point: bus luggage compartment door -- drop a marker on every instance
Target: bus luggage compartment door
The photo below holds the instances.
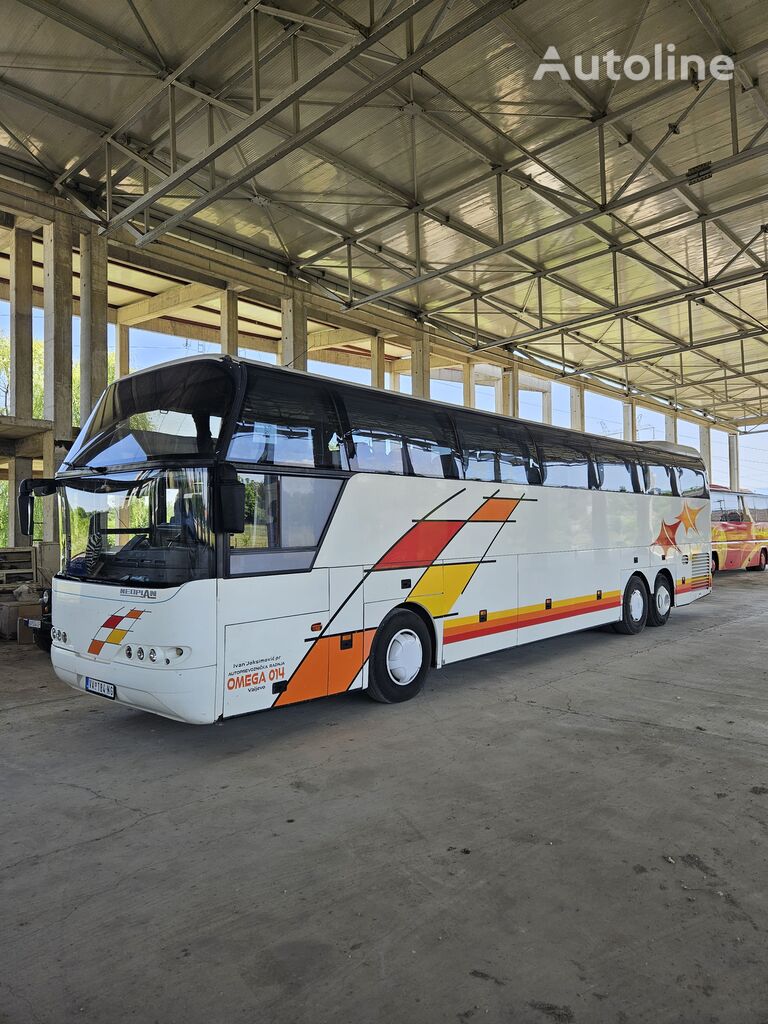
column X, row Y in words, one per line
column 274, row 658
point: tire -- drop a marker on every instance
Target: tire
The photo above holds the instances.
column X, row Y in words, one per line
column 634, row 608
column 400, row 658
column 715, row 566
column 661, row 602
column 760, row 567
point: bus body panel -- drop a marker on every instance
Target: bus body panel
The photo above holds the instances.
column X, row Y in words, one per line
column 102, row 623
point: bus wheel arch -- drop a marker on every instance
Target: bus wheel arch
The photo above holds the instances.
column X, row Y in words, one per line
column 426, row 618
column 401, row 655
column 662, row 599
column 762, row 561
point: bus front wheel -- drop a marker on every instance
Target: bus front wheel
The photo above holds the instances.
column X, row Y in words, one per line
column 634, row 608
column 400, row 658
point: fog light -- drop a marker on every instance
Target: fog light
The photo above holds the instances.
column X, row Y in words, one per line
column 64, row 637
column 152, row 654
column 129, row 652
column 140, row 653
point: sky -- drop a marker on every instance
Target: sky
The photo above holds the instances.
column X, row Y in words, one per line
column 603, row 415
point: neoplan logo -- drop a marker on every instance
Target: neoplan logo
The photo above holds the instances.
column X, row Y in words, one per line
column 665, row 65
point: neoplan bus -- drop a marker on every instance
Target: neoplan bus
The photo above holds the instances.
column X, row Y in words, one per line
column 739, row 530
column 237, row 537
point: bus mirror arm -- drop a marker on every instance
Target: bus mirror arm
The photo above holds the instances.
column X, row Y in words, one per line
column 28, row 488
column 231, row 501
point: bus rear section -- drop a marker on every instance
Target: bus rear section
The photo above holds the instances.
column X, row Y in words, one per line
column 739, row 530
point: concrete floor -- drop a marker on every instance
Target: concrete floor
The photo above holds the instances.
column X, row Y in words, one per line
column 573, row 832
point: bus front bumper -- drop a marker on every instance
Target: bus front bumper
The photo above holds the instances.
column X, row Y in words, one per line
column 187, row 695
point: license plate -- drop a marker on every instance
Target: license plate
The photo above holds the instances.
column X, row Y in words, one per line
column 34, row 623
column 103, row 689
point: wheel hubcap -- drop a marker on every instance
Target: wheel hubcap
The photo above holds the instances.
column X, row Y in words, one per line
column 663, row 601
column 404, row 657
column 636, row 605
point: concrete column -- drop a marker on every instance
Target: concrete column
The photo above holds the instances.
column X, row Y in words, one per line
column 705, row 447
column 229, row 336
column 503, row 391
column 293, row 350
column 93, row 319
column 468, row 378
column 420, row 365
column 20, row 398
column 546, row 402
column 378, row 364
column 630, row 421
column 52, row 457
column 577, row 406
column 18, row 469
column 122, row 352
column 57, row 387
column 733, row 461
column 670, row 428
column 396, row 380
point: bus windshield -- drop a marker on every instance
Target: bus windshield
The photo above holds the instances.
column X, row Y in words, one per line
column 164, row 412
column 150, row 528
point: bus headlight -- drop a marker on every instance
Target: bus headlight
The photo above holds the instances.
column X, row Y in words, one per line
column 152, row 655
column 129, row 652
column 140, row 653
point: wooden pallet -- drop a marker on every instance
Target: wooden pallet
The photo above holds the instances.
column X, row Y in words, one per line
column 17, row 566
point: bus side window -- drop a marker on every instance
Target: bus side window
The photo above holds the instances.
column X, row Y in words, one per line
column 289, row 422
column 616, row 475
column 492, row 452
column 411, row 439
column 564, row 466
column 691, row 483
column 658, row 480
column 285, row 517
column 758, row 508
column 726, row 507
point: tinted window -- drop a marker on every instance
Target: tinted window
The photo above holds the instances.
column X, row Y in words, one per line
column 284, row 520
column 564, row 465
column 495, row 452
column 691, row 483
column 173, row 411
column 657, row 480
column 758, row 507
column 287, row 421
column 726, row 507
column 615, row 474
column 391, row 436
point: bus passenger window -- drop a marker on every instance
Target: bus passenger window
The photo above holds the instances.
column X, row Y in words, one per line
column 657, row 480
column 492, row 451
column 615, row 475
column 565, row 467
column 287, row 422
column 726, row 507
column 377, row 453
column 285, row 517
column 758, row 508
column 690, row 483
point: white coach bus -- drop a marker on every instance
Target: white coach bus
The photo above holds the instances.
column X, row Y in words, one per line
column 237, row 537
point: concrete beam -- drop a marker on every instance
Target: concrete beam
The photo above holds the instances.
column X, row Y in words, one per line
column 337, row 336
column 229, row 335
column 20, row 398
column 468, row 381
column 378, row 363
column 93, row 319
column 122, row 352
column 733, row 461
column 172, row 300
column 294, row 341
column 420, row 365
column 57, row 301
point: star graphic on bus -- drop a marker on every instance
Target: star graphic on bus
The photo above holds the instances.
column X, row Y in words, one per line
column 688, row 516
column 667, row 538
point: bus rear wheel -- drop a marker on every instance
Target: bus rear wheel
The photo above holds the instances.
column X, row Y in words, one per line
column 400, row 658
column 634, row 608
column 763, row 561
column 661, row 603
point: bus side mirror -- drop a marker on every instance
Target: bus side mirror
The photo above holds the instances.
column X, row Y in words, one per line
column 231, row 502
column 28, row 488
